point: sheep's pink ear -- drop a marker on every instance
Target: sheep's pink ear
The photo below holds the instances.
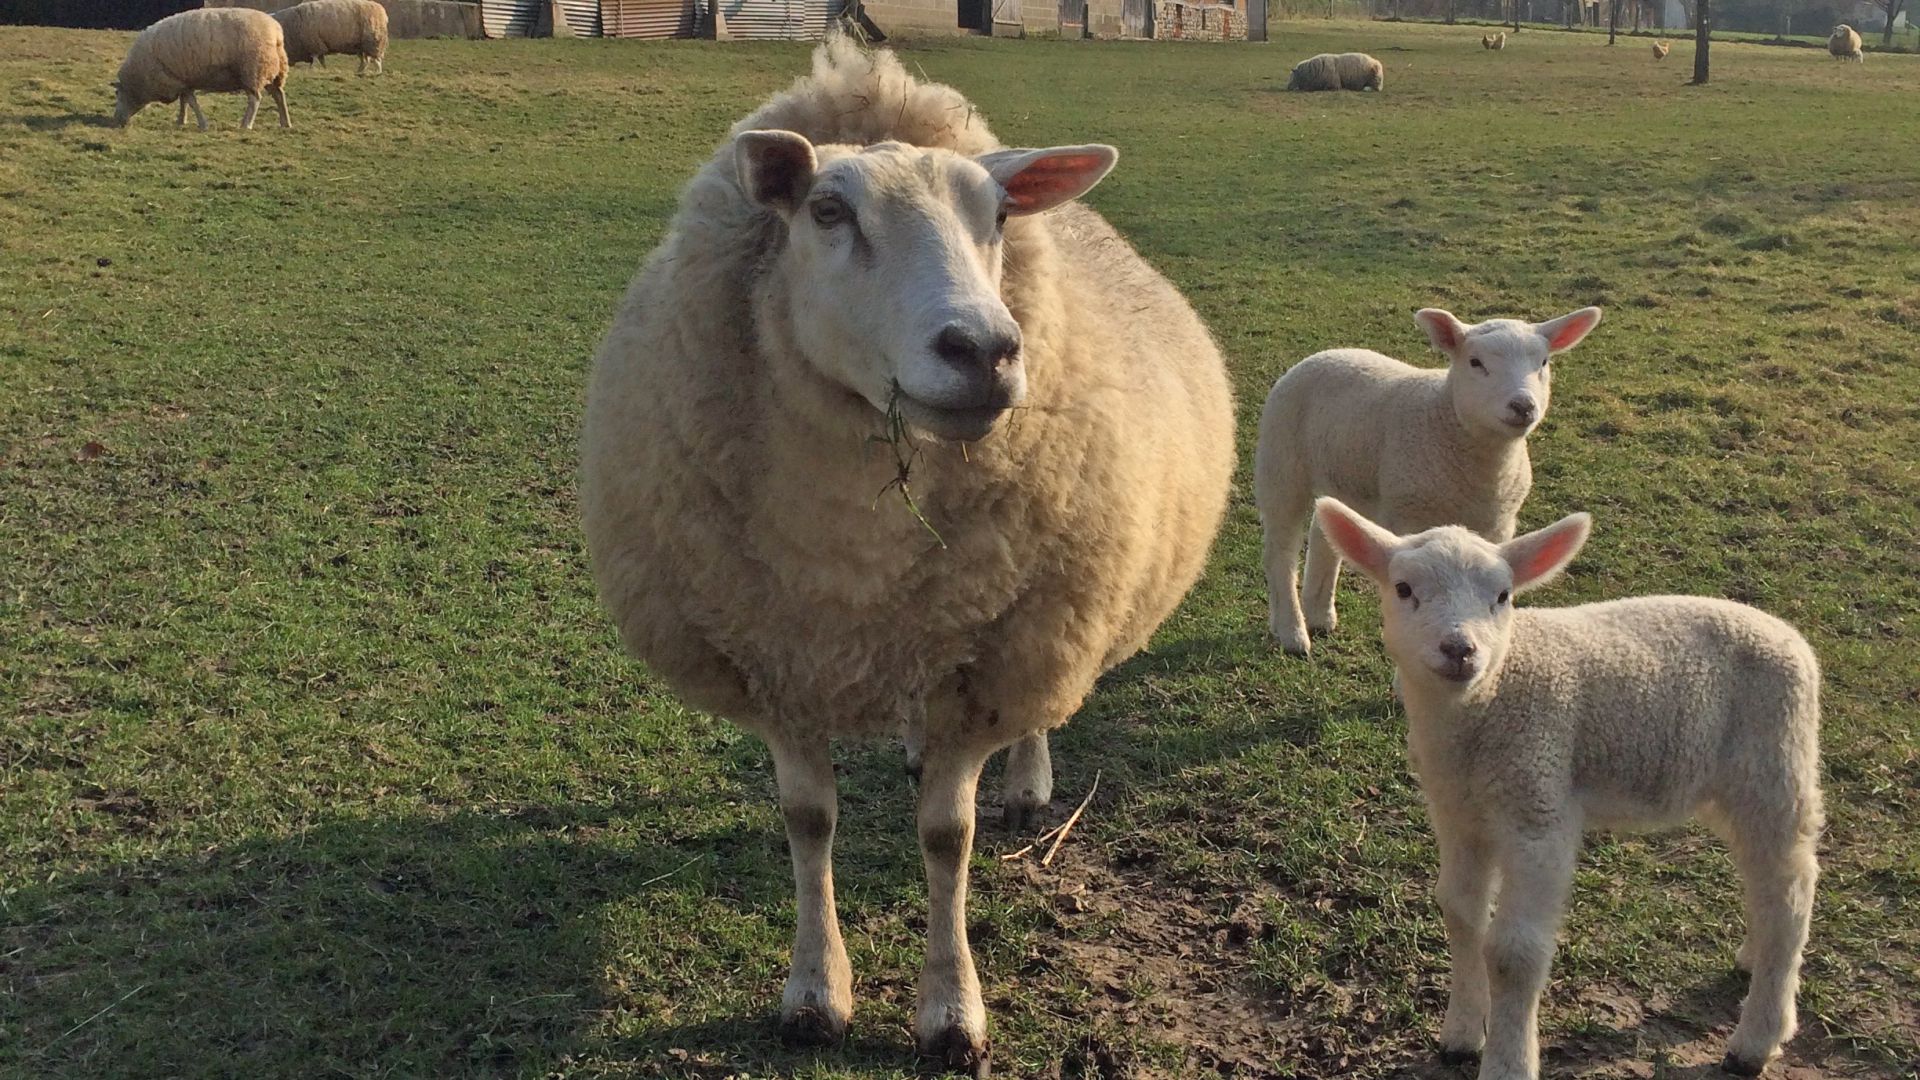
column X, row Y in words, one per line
column 1359, row 541
column 1445, row 332
column 1037, row 180
column 775, row 167
column 1568, row 330
column 1539, row 556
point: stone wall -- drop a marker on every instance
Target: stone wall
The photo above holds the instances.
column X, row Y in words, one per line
column 1205, row 20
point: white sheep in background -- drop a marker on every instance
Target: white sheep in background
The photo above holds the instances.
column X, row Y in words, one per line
column 220, row 50
column 1497, row 41
column 1528, row 727
column 1844, row 44
column 316, row 28
column 1661, row 48
column 860, row 302
column 1338, row 71
column 1411, row 447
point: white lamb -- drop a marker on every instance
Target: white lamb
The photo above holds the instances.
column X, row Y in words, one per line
column 1528, row 727
column 890, row 429
column 221, row 50
column 1412, row 447
column 1338, row 71
column 316, row 28
column 1844, row 44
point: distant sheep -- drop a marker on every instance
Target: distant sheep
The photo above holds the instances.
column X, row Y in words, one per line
column 1844, row 44
column 1660, row 49
column 1495, row 41
column 219, row 50
column 316, row 28
column 1338, row 71
column 1527, row 727
column 1413, row 447
column 890, row 430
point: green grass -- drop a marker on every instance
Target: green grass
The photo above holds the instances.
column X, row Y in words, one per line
column 317, row 757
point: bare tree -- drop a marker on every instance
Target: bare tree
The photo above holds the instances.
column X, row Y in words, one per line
column 1892, row 8
column 1703, row 17
column 1613, row 19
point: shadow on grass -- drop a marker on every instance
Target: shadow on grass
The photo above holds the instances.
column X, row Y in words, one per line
column 43, row 122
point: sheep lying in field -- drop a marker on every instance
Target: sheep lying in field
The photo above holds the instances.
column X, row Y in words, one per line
column 220, row 50
column 1660, row 49
column 1413, row 447
column 888, row 429
column 1496, row 41
column 1337, row 71
column 1527, row 727
column 316, row 28
column 1844, row 44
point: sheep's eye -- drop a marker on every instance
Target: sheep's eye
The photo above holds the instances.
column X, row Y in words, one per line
column 1474, row 362
column 1403, row 590
column 1000, row 219
column 1505, row 595
column 831, row 211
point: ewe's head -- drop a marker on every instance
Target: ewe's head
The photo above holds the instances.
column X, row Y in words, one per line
column 1499, row 369
column 1446, row 595
column 123, row 105
column 892, row 264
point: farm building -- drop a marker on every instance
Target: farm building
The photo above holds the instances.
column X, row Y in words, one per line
column 1215, row 20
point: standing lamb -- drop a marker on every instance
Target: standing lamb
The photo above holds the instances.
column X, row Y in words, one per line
column 876, row 438
column 1661, row 48
column 1338, row 71
column 1413, row 447
column 1497, row 41
column 316, row 28
column 1528, row 727
column 220, row 50
column 1844, row 44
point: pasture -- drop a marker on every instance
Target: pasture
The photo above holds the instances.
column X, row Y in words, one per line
column 317, row 756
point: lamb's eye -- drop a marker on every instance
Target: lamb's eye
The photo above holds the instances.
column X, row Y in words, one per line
column 831, row 211
column 1403, row 590
column 1000, row 219
column 1505, row 595
column 1474, row 362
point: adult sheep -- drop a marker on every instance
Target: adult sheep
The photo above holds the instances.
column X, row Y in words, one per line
column 873, row 440
column 1337, row 71
column 316, row 28
column 1844, row 44
column 221, row 50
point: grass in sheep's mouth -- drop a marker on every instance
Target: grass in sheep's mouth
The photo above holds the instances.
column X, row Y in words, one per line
column 319, row 756
column 899, row 440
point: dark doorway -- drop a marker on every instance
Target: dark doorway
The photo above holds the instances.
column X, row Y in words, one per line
column 974, row 14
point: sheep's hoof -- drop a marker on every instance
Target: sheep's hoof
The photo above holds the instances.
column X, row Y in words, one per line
column 1458, row 1059
column 954, row 1051
column 1740, row 1066
column 1020, row 814
column 913, row 769
column 808, row 1026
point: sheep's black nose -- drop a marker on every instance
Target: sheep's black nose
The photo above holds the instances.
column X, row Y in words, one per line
column 1522, row 409
column 968, row 351
column 1456, row 648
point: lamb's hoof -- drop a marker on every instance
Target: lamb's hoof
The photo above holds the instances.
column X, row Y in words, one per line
column 953, row 1051
column 1458, row 1059
column 1740, row 1066
column 808, row 1026
column 1293, row 644
column 1021, row 814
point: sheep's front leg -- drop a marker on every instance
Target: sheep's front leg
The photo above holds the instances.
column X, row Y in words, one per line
column 191, row 100
column 818, row 1001
column 253, row 106
column 951, row 1025
column 1029, row 781
column 181, row 120
column 279, row 92
column 1536, row 873
column 1466, row 897
column 1323, row 575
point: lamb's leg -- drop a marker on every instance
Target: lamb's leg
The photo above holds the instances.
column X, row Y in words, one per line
column 1029, row 781
column 1778, row 873
column 951, row 1024
column 363, row 65
column 1283, row 520
column 1323, row 574
column 1536, row 873
column 818, row 1000
column 199, row 117
column 253, row 106
column 1466, row 897
column 278, row 89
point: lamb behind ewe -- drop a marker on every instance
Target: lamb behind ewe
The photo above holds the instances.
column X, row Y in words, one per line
column 1528, row 727
column 316, row 28
column 1413, row 447
column 221, row 50
column 1660, row 49
column 1337, row 71
column 888, row 429
column 1844, row 44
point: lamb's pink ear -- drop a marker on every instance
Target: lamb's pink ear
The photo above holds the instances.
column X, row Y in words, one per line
column 775, row 167
column 1568, row 330
column 1539, row 556
column 1039, row 180
column 1359, row 541
column 1443, row 330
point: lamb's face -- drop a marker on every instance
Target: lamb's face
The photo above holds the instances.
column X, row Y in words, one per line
column 893, row 263
column 1499, row 371
column 1447, row 606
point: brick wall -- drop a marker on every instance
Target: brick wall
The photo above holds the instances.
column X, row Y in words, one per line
column 1184, row 20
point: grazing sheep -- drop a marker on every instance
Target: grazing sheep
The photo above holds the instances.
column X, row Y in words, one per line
column 873, row 440
column 1413, row 447
column 220, row 50
column 1844, row 44
column 1528, row 727
column 1338, row 71
column 316, row 28
column 1497, row 41
column 1660, row 49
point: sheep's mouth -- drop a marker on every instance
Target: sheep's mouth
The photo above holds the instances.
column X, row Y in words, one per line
column 1457, row 671
column 964, row 424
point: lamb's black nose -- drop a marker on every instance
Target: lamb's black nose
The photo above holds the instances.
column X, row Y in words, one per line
column 975, row 352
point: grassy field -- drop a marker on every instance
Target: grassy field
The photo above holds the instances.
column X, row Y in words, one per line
column 317, row 758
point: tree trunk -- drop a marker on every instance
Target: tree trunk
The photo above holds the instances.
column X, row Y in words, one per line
column 1450, row 6
column 1613, row 20
column 1702, row 31
column 1886, row 32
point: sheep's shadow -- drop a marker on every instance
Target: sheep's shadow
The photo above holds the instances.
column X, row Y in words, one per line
column 45, row 122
